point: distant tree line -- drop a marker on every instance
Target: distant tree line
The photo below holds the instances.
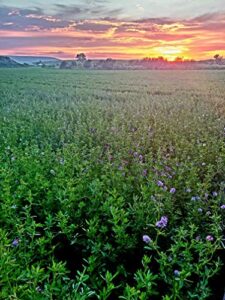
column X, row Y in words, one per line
column 81, row 62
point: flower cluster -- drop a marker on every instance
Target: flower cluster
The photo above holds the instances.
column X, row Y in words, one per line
column 172, row 190
column 15, row 242
column 209, row 238
column 162, row 223
column 146, row 239
column 160, row 183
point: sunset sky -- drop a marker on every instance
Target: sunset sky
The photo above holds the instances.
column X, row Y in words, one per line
column 113, row 28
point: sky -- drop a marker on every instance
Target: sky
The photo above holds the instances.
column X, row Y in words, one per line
column 130, row 29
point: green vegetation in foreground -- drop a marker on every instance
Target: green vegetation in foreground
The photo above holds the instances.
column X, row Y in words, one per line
column 111, row 184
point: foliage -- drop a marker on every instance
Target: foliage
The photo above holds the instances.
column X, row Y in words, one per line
column 111, row 184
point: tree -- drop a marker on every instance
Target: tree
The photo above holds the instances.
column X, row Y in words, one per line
column 178, row 59
column 109, row 63
column 81, row 57
column 218, row 59
column 161, row 58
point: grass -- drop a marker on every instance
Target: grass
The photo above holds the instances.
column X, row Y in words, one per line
column 89, row 164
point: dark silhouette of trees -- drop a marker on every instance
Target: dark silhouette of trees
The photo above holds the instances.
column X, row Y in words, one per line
column 178, row 59
column 81, row 57
column 67, row 64
column 109, row 63
column 218, row 58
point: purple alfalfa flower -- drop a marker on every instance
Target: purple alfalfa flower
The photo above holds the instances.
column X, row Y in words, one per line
column 160, row 183
column 200, row 210
column 135, row 154
column 209, row 238
column 165, row 188
column 195, row 198
column 172, row 190
column 206, row 195
column 215, row 194
column 222, row 206
column 15, row 242
column 176, row 273
column 141, row 158
column 145, row 172
column 146, row 239
column 188, row 190
column 162, row 223
column 168, row 169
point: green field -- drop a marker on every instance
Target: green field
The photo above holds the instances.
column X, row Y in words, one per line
column 112, row 184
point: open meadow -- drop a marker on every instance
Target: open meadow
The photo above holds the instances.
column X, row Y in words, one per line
column 112, row 184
